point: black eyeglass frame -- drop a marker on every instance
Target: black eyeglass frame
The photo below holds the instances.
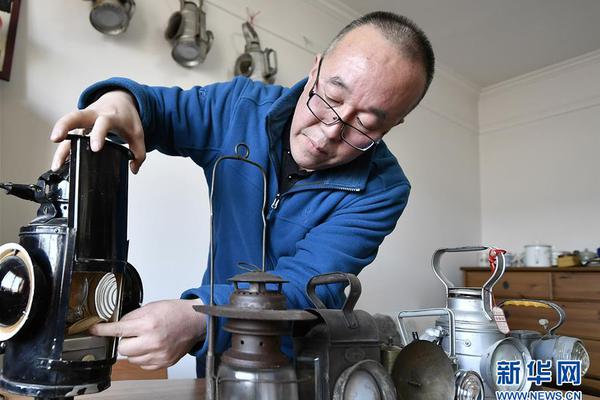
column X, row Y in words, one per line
column 339, row 119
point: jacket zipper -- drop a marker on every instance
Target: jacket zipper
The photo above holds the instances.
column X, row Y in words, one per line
column 278, row 196
column 275, row 203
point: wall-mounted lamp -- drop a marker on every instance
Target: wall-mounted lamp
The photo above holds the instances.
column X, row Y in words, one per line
column 111, row 17
column 255, row 63
column 187, row 33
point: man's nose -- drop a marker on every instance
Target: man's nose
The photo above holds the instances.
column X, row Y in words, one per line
column 334, row 131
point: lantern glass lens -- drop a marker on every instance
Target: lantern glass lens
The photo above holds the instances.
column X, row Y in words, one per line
column 254, row 384
column 569, row 349
column 580, row 353
column 14, row 290
column 17, row 287
column 107, row 19
column 469, row 386
column 508, row 351
column 186, row 52
column 110, row 17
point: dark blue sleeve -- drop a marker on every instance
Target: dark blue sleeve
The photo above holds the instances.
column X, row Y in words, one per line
column 188, row 123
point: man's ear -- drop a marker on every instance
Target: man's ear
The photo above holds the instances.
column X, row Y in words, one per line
column 313, row 71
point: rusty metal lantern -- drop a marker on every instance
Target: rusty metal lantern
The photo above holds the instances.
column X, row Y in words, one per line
column 254, row 367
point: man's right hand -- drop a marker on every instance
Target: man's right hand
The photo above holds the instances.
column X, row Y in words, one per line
column 114, row 111
column 158, row 334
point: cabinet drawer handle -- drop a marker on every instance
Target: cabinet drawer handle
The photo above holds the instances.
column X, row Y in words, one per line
column 505, row 285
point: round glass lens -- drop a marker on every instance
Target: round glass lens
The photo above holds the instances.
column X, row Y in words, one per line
column 580, row 353
column 109, row 19
column 186, row 52
column 515, row 378
column 14, row 290
column 469, row 386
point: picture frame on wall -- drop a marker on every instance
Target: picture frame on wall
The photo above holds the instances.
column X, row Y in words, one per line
column 9, row 15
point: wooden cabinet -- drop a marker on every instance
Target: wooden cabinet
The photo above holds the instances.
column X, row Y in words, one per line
column 576, row 290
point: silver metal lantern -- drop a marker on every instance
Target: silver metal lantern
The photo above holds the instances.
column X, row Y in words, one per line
column 550, row 346
column 479, row 343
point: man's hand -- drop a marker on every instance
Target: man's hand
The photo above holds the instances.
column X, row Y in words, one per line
column 112, row 111
column 158, row 334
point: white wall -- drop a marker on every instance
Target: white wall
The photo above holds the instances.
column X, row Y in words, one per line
column 437, row 147
column 539, row 147
column 58, row 54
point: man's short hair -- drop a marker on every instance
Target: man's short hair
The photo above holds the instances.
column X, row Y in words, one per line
column 400, row 31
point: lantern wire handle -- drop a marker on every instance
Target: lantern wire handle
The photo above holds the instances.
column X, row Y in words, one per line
column 242, row 153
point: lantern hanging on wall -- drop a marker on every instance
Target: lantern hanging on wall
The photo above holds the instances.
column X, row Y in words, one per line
column 255, row 63
column 111, row 17
column 187, row 33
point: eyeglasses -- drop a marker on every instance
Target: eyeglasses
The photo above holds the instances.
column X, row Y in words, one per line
column 325, row 113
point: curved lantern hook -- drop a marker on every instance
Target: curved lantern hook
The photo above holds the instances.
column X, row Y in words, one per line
column 251, row 37
column 242, row 152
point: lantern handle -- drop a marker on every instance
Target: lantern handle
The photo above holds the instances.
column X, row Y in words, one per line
column 337, row 277
column 562, row 316
column 242, row 153
column 486, row 289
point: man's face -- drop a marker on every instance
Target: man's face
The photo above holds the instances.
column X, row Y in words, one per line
column 368, row 83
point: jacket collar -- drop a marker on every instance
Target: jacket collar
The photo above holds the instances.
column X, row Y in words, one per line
column 351, row 176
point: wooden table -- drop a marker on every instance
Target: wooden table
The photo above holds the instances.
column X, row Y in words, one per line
column 155, row 389
column 160, row 389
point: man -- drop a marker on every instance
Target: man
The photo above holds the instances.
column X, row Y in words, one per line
column 334, row 188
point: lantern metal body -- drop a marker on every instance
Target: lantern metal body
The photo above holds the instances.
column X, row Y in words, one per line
column 338, row 356
column 254, row 366
column 256, row 63
column 68, row 272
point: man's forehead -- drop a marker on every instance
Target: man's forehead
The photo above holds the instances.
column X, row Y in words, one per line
column 390, row 84
column 376, row 93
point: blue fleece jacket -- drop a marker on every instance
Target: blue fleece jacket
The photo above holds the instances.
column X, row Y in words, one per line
column 333, row 220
